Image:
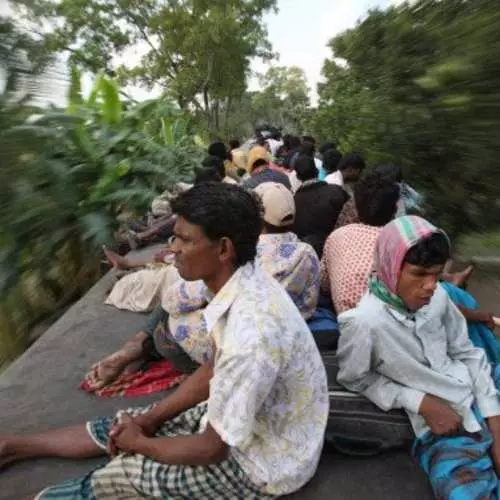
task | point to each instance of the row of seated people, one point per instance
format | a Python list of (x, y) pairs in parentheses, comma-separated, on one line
[(320, 191), (245, 346)]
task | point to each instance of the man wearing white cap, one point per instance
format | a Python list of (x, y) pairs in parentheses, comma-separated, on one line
[(280, 252), (293, 263)]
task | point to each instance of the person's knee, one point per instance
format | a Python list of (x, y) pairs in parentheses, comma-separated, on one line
[(116, 479)]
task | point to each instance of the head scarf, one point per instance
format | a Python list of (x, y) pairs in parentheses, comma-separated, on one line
[(393, 243), (239, 159), (257, 153)]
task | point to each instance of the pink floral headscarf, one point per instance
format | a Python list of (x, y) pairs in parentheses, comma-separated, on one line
[(393, 243)]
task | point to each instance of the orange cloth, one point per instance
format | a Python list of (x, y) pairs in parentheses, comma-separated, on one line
[(159, 376), (257, 153)]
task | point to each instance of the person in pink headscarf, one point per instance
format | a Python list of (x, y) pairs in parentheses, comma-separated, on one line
[(407, 346)]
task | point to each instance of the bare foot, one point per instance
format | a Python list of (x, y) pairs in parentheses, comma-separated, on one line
[(106, 371), (116, 260), (459, 279)]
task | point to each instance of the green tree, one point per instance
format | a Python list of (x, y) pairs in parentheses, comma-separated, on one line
[(66, 176), (283, 101), (284, 98), (196, 51), (418, 85)]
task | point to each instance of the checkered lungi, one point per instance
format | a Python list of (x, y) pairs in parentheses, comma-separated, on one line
[(135, 476)]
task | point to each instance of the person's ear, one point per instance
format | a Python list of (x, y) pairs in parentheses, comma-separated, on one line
[(227, 251)]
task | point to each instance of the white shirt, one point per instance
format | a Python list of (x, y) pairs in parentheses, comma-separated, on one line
[(335, 178), (294, 181), (274, 145), (395, 359), (268, 395)]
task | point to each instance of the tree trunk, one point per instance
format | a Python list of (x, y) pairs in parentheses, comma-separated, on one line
[(206, 103), (227, 113), (216, 115)]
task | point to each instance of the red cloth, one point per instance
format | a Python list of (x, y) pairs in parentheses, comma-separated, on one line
[(159, 376)]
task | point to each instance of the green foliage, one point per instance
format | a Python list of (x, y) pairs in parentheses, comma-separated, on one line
[(197, 51), (284, 98), (479, 245), (283, 101), (66, 177), (418, 85)]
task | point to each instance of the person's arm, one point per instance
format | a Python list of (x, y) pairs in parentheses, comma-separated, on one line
[(194, 390), (324, 280), (494, 427), (354, 355), (157, 315), (477, 316), (123, 262), (348, 214), (242, 381), (310, 270), (461, 348), (204, 448), (163, 224)]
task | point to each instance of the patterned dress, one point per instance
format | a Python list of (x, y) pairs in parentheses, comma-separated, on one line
[(292, 263), (268, 402), (295, 265), (347, 263)]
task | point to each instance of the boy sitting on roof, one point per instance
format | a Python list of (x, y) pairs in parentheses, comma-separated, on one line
[(406, 346)]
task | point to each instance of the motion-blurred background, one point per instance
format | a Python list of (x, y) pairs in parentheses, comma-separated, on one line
[(105, 103)]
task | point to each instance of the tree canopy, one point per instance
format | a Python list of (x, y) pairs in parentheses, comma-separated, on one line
[(196, 51), (418, 85)]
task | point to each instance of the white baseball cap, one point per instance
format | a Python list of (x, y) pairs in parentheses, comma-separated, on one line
[(279, 205)]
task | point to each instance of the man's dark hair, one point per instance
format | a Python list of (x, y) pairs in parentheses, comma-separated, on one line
[(206, 174), (223, 211), (331, 160), (376, 200), (309, 138), (260, 162), (433, 251), (260, 140), (287, 141), (326, 146), (216, 163), (353, 160), (275, 133), (234, 143), (389, 171), (218, 148), (307, 149), (295, 142), (305, 168)]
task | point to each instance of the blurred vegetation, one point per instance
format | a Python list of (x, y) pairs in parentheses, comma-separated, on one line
[(419, 85), (485, 244), (196, 51), (66, 176)]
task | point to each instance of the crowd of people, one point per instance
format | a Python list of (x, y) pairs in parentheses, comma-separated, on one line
[(270, 232)]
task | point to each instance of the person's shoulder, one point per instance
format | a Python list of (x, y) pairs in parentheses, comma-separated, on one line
[(262, 314), (308, 259), (279, 176), (249, 183), (263, 295), (305, 248), (336, 191), (440, 299), (368, 313), (338, 234)]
